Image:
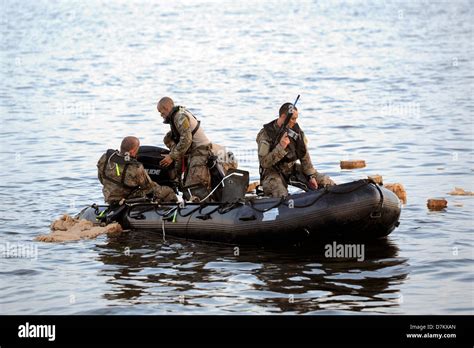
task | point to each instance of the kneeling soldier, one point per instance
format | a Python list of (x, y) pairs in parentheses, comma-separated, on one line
[(278, 162), (123, 177)]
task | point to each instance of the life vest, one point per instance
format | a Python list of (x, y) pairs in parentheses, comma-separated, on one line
[(114, 157), (174, 130)]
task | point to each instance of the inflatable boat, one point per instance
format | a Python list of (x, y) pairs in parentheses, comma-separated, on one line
[(357, 211)]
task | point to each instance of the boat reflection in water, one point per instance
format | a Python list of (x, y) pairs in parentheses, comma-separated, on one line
[(159, 277)]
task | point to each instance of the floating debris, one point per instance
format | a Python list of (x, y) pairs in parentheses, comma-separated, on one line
[(460, 192), (437, 204), (376, 178), (253, 186), (399, 190), (352, 164), (68, 229)]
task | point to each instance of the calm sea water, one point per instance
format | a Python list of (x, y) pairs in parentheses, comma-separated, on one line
[(389, 82)]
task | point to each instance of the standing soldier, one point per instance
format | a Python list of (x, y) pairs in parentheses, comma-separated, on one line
[(189, 147), (124, 177), (278, 162)]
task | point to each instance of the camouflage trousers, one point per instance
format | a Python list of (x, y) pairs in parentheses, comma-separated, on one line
[(275, 185), (197, 178), (164, 193)]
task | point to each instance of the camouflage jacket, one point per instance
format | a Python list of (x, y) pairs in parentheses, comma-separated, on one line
[(121, 178), (282, 159), (186, 134)]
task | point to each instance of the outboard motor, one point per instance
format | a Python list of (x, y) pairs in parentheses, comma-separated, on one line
[(230, 190), (150, 157)]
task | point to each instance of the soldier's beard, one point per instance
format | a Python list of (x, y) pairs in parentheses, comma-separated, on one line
[(166, 120)]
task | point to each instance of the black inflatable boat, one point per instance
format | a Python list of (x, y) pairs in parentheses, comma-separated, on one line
[(356, 211)]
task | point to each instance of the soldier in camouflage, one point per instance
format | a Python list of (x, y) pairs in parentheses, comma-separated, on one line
[(189, 147), (123, 177), (278, 164)]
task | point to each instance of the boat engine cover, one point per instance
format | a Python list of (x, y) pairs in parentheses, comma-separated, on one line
[(150, 157)]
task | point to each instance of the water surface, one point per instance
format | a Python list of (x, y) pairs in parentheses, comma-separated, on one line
[(388, 82)]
